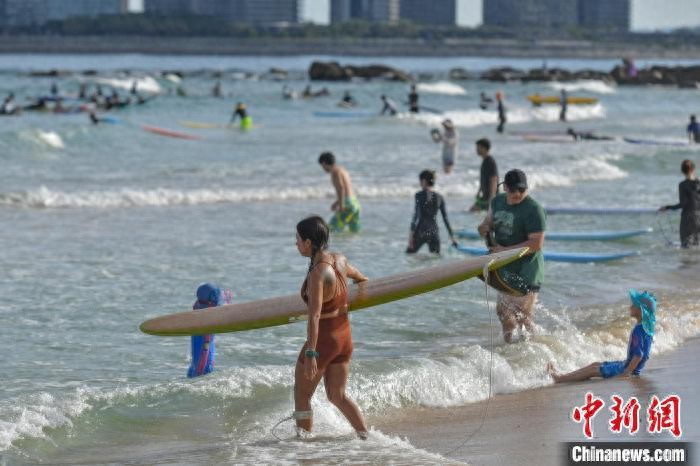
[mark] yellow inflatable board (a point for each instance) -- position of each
(555, 99)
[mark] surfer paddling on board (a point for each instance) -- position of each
(515, 220)
(328, 346)
(424, 228)
(346, 206)
(689, 202)
(488, 181)
(643, 309)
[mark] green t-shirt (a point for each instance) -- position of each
(512, 225)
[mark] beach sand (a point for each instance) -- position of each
(528, 428)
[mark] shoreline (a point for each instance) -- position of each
(531, 425)
(501, 48)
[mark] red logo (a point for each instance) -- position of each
(665, 415)
(587, 412)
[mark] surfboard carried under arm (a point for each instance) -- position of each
(288, 309)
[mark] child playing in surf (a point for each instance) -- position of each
(208, 295)
(643, 309)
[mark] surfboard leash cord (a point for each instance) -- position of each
(485, 273)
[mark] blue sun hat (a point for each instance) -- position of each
(209, 295)
(647, 303)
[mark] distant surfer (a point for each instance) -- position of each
(348, 100)
(202, 346)
(54, 89)
(328, 347)
(346, 206)
(241, 111)
(501, 112)
(134, 87)
(587, 136)
(564, 102)
(515, 220)
(388, 106)
(484, 101)
(288, 93)
(8, 106)
(424, 227)
(693, 130)
(216, 90)
(94, 119)
(643, 310)
(449, 139)
(308, 93)
(413, 100)
(488, 179)
(689, 203)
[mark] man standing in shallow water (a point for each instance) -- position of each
(346, 206)
(516, 221)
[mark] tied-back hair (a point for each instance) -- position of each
(315, 229)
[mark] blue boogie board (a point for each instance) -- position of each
(573, 257)
(574, 235)
(345, 114)
(655, 142)
(599, 210)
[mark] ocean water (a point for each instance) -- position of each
(106, 226)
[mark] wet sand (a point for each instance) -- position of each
(528, 428)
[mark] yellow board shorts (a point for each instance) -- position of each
(349, 216)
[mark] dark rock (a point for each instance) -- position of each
(49, 74)
(503, 74)
(332, 71)
(460, 74)
(90, 73)
(328, 71)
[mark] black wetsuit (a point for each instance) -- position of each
(424, 226)
(689, 202)
(413, 102)
(488, 170)
(501, 116)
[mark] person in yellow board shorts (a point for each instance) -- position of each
(346, 206)
(241, 111)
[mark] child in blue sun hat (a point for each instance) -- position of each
(208, 295)
(643, 309)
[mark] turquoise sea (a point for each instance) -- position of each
(102, 227)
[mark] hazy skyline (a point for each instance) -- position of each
(646, 14)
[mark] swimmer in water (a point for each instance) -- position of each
(346, 206)
(689, 202)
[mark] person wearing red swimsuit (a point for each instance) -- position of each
(328, 347)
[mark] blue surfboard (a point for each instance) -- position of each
(655, 142)
(552, 256)
(599, 210)
(574, 235)
(345, 114)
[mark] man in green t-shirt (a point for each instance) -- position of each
(515, 220)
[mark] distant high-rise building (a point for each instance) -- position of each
(38, 12)
(380, 11)
(604, 14)
(540, 14)
(170, 7)
(442, 12)
(259, 12)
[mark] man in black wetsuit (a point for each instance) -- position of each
(413, 100)
(424, 228)
(689, 202)
(488, 181)
(501, 112)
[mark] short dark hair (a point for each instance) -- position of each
(485, 143)
(692, 117)
(687, 166)
(428, 176)
(327, 158)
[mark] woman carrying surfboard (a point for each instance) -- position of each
(328, 347)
